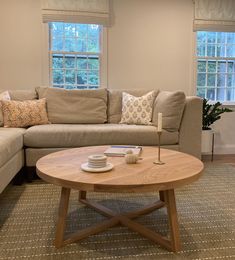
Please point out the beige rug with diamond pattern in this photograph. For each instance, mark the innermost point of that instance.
(206, 211)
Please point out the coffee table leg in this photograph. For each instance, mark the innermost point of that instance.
(161, 195)
(169, 196)
(61, 222)
(82, 195)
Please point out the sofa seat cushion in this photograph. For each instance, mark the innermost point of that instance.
(66, 135)
(11, 141)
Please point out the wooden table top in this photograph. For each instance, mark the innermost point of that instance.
(63, 169)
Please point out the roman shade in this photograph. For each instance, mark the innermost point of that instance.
(76, 11)
(214, 15)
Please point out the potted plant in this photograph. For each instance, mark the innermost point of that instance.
(210, 114)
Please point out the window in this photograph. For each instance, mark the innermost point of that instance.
(75, 55)
(216, 66)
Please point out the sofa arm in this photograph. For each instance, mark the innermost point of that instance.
(191, 127)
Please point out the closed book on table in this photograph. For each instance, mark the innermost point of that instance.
(121, 150)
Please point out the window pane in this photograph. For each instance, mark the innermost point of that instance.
(81, 45)
(211, 80)
(82, 30)
(201, 92)
(201, 79)
(201, 50)
(93, 45)
(230, 94)
(69, 61)
(70, 76)
(57, 44)
(82, 77)
(231, 38)
(70, 87)
(211, 50)
(93, 63)
(221, 36)
(69, 44)
(220, 51)
(201, 37)
(93, 77)
(230, 51)
(93, 31)
(57, 61)
(211, 66)
(58, 76)
(210, 93)
(57, 29)
(201, 66)
(231, 66)
(221, 94)
(211, 37)
(221, 66)
(82, 62)
(221, 80)
(231, 80)
(69, 29)
(81, 87)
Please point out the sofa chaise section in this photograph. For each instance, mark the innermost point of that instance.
(11, 154)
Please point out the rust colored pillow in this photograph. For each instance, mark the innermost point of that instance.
(24, 113)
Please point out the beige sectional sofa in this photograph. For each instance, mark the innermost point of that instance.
(84, 118)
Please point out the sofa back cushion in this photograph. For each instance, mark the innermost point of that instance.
(22, 95)
(18, 95)
(75, 106)
(171, 105)
(115, 102)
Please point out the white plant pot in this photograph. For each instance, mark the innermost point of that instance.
(207, 136)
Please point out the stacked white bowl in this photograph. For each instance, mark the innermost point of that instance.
(97, 161)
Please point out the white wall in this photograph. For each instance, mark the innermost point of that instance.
(225, 133)
(150, 46)
(20, 44)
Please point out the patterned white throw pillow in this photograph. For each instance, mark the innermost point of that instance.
(137, 110)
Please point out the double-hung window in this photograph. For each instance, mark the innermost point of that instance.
(75, 55)
(216, 65)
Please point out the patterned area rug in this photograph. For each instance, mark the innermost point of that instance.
(206, 212)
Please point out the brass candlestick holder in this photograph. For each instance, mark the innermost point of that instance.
(158, 161)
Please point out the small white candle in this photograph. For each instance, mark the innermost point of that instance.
(159, 122)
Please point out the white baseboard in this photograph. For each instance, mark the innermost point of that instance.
(224, 149)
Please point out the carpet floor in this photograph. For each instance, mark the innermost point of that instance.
(206, 211)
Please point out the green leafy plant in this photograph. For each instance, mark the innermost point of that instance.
(211, 113)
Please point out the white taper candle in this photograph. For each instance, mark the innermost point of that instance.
(159, 122)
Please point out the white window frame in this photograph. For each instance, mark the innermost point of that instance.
(206, 59)
(46, 57)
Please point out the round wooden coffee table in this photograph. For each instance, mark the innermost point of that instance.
(63, 169)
